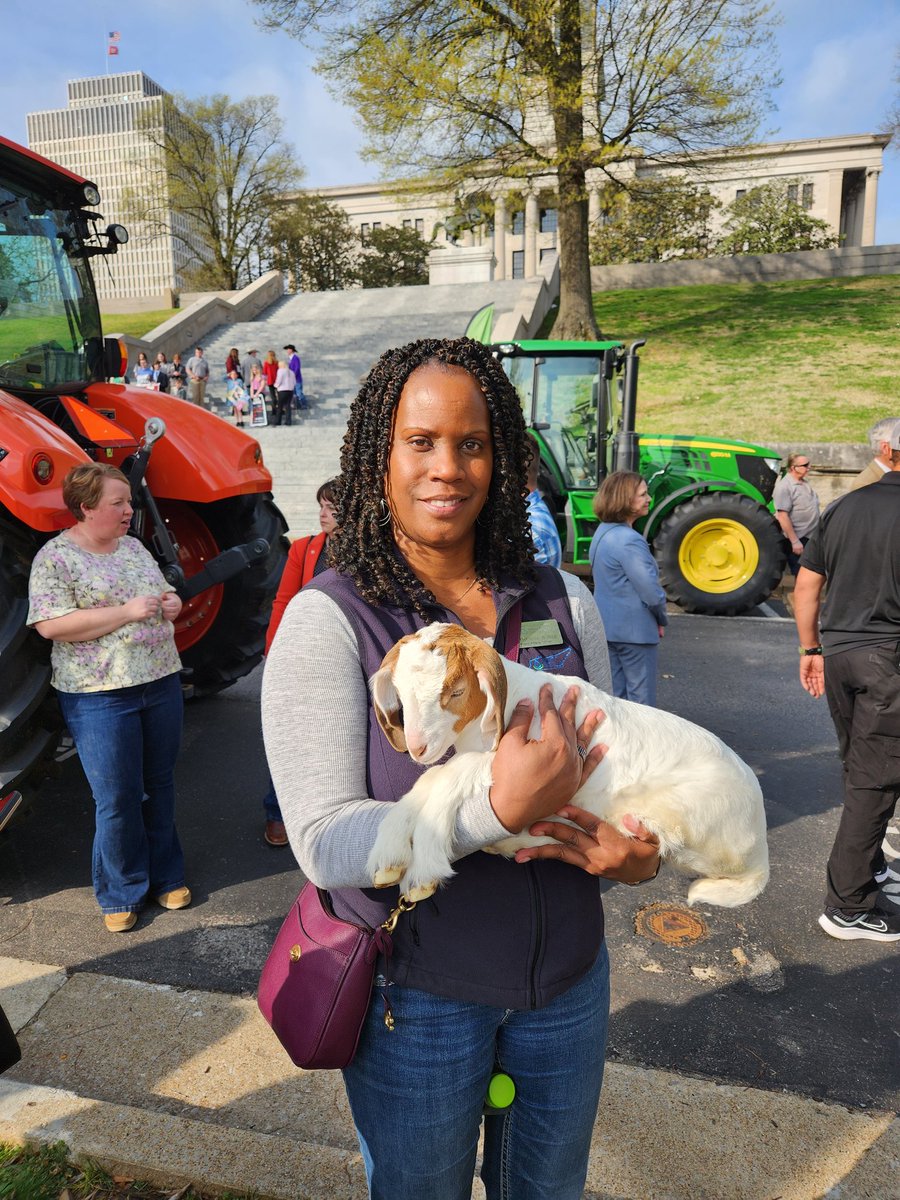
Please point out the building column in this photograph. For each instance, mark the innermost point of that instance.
(833, 200)
(869, 206)
(531, 232)
(593, 206)
(500, 237)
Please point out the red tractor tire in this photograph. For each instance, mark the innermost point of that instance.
(223, 633)
(29, 718)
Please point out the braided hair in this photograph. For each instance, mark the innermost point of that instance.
(363, 546)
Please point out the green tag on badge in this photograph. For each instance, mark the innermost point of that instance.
(540, 633)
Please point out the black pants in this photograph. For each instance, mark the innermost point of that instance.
(863, 691)
(283, 407)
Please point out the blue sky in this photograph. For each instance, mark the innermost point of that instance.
(837, 60)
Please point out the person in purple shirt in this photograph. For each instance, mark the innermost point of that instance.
(294, 363)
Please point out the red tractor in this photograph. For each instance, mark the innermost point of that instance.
(202, 497)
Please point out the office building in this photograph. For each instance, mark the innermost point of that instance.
(100, 135)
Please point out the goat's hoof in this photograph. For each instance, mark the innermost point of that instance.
(387, 876)
(422, 892)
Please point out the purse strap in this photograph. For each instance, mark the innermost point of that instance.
(382, 935)
(513, 631)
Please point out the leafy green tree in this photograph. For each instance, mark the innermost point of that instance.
(463, 89)
(393, 257)
(314, 244)
(768, 220)
(219, 165)
(652, 220)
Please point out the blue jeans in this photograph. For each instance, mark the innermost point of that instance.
(634, 671)
(270, 802)
(127, 740)
(417, 1093)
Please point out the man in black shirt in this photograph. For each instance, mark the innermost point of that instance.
(856, 664)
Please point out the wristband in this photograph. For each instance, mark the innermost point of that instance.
(807, 653)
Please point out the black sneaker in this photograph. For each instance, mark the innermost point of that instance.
(873, 926)
(889, 873)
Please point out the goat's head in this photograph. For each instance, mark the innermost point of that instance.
(435, 685)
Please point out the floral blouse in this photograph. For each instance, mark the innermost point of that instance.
(66, 577)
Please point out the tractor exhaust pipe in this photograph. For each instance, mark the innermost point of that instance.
(627, 449)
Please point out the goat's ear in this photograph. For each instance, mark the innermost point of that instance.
(492, 681)
(387, 703)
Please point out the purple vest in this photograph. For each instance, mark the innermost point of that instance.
(500, 933)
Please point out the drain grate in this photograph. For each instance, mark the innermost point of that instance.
(670, 924)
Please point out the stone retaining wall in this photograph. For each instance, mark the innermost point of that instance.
(750, 268)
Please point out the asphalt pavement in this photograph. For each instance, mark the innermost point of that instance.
(755, 1001)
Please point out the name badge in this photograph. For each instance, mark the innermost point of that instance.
(540, 633)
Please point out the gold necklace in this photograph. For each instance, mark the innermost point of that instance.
(463, 595)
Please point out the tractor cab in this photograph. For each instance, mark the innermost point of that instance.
(50, 332)
(710, 525)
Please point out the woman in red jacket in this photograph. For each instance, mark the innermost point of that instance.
(306, 558)
(270, 370)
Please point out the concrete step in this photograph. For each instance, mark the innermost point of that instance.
(339, 336)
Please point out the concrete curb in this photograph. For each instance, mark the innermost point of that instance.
(191, 1087)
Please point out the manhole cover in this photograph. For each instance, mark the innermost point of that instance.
(670, 924)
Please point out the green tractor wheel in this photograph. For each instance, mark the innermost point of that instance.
(719, 554)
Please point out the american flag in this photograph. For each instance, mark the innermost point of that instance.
(114, 36)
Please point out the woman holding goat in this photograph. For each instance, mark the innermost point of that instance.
(506, 967)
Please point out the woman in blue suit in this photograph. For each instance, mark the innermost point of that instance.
(626, 586)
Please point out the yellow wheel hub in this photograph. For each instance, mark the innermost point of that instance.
(718, 555)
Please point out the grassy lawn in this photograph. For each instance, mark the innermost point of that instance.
(136, 324)
(804, 361)
(47, 1173)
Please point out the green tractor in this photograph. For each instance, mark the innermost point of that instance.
(711, 526)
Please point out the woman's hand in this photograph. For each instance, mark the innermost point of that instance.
(532, 779)
(596, 846)
(142, 608)
(170, 604)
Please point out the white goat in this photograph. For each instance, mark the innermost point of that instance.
(444, 687)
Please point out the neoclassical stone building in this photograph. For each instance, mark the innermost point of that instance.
(836, 179)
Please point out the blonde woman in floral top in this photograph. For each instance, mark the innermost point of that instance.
(102, 601)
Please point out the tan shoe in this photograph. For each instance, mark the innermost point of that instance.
(120, 922)
(276, 834)
(179, 898)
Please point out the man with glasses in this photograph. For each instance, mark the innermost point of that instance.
(796, 507)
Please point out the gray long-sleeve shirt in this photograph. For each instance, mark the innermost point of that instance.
(314, 710)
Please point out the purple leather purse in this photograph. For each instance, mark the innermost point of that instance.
(316, 984)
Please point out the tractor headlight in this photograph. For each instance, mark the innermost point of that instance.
(90, 194)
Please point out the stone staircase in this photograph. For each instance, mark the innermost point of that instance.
(338, 335)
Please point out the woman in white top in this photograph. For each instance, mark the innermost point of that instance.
(285, 382)
(101, 599)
